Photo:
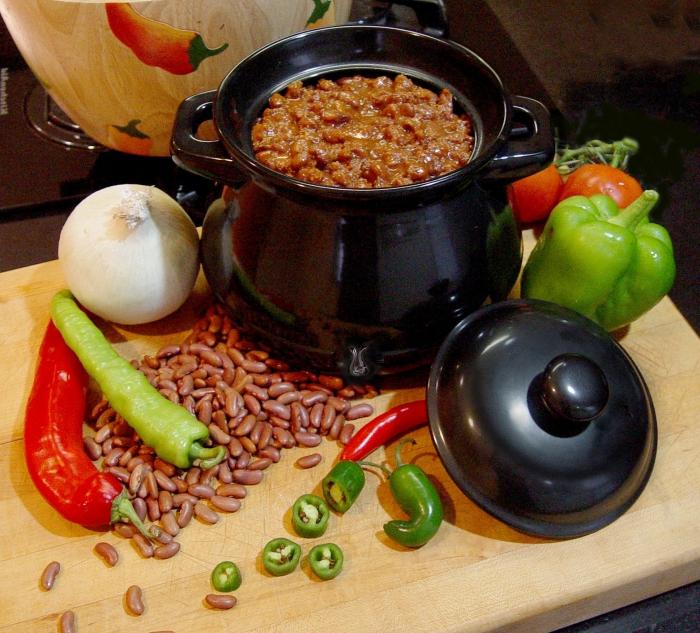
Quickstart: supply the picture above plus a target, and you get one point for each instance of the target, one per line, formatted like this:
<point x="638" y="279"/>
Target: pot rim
<point x="454" y="179"/>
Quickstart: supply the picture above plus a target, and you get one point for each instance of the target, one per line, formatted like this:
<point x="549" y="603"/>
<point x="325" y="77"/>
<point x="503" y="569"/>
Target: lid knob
<point x="574" y="388"/>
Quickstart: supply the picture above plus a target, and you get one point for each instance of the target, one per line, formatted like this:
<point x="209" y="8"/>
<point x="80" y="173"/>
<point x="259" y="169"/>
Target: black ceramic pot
<point x="357" y="280"/>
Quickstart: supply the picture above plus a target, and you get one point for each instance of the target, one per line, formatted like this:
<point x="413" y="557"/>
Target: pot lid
<point x="541" y="418"/>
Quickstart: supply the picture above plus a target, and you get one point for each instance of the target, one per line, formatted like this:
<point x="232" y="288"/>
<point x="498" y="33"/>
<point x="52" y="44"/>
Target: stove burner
<point x="53" y="124"/>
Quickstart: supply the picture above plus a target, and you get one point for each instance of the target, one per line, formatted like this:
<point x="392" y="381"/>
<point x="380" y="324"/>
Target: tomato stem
<point x="615" y="154"/>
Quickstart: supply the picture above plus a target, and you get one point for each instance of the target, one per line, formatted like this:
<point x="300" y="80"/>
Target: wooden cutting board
<point x="477" y="574"/>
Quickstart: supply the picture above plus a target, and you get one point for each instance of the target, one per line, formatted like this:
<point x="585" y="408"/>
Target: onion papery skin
<point x="129" y="254"/>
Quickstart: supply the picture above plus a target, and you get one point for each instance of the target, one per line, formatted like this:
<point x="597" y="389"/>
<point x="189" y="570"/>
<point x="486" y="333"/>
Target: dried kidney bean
<point x="225" y="504"/>
<point x="220" y="601"/>
<point x="48" y="576"/>
<point x="134" y="600"/>
<point x="107" y="553"/>
<point x="307" y="439"/>
<point x="92" y="448"/>
<point x="232" y="490"/>
<point x="169" y="550"/>
<point x="142" y="545"/>
<point x="66" y="622"/>
<point x="140" y="507"/>
<point x="163" y="537"/>
<point x="205" y="513"/>
<point x="183" y="497"/>
<point x="125" y="530"/>
<point x="260" y="464"/>
<point x="337" y="425"/>
<point x="164" y="482"/>
<point x="247" y="477"/>
<point x="169" y="523"/>
<point x="346" y="433"/>
<point x="203" y="491"/>
<point x="309" y="461"/>
<point x="165" y="501"/>
<point x="184" y="516"/>
<point x="362" y="410"/>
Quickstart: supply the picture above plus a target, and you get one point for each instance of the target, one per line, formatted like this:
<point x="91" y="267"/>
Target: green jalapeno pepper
<point x="281" y="556"/>
<point x="343" y="485"/>
<point x="226" y="576"/>
<point x="326" y="560"/>
<point x="310" y="516"/>
<point x="417" y="496"/>
<point x="166" y="427"/>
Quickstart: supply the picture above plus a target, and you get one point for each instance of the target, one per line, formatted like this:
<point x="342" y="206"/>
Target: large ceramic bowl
<point x="121" y="69"/>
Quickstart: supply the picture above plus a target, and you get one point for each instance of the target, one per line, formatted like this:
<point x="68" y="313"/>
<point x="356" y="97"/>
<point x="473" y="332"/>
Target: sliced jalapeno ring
<point x="343" y="485"/>
<point x="226" y="576"/>
<point x="310" y="516"/>
<point x="326" y="560"/>
<point x="281" y="556"/>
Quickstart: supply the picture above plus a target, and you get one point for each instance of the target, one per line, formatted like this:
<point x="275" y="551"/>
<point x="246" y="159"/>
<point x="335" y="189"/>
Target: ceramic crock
<point x="356" y="280"/>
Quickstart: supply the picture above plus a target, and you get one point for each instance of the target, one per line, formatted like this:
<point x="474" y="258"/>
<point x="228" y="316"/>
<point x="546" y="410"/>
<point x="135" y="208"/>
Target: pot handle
<point x="206" y="158"/>
<point x="530" y="146"/>
<point x="431" y="15"/>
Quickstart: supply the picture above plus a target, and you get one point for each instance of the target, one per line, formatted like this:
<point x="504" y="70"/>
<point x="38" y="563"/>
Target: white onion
<point x="129" y="254"/>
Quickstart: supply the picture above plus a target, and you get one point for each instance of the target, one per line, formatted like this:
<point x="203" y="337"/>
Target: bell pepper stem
<point x="122" y="508"/>
<point x="207" y="457"/>
<point x="637" y="211"/>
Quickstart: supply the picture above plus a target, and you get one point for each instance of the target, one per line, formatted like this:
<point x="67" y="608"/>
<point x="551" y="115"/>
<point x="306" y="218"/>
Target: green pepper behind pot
<point x="608" y="264"/>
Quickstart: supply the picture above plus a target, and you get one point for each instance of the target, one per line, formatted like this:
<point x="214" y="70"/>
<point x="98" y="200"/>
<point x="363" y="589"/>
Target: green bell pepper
<point x="610" y="265"/>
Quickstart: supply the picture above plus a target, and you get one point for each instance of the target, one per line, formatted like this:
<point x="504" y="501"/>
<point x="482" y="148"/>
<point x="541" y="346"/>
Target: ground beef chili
<point x="362" y="132"/>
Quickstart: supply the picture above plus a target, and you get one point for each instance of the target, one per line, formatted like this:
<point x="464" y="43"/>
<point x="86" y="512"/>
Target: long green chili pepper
<point x="417" y="496"/>
<point x="168" y="428"/>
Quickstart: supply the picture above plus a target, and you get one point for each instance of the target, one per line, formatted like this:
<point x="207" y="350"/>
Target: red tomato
<point x="589" y="180"/>
<point x="533" y="197"/>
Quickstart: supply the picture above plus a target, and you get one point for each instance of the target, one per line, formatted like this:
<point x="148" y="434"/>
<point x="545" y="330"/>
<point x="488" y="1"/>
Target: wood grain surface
<point x="477" y="574"/>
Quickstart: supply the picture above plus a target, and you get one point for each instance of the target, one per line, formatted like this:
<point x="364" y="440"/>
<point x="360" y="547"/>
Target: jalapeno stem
<point x="381" y="467"/>
<point x="399" y="446"/>
<point x="208" y="457"/>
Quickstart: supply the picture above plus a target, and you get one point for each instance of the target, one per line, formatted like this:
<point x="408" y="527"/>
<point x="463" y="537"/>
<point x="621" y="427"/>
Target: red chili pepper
<point x="158" y="44"/>
<point x="384" y="428"/>
<point x="53" y="443"/>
